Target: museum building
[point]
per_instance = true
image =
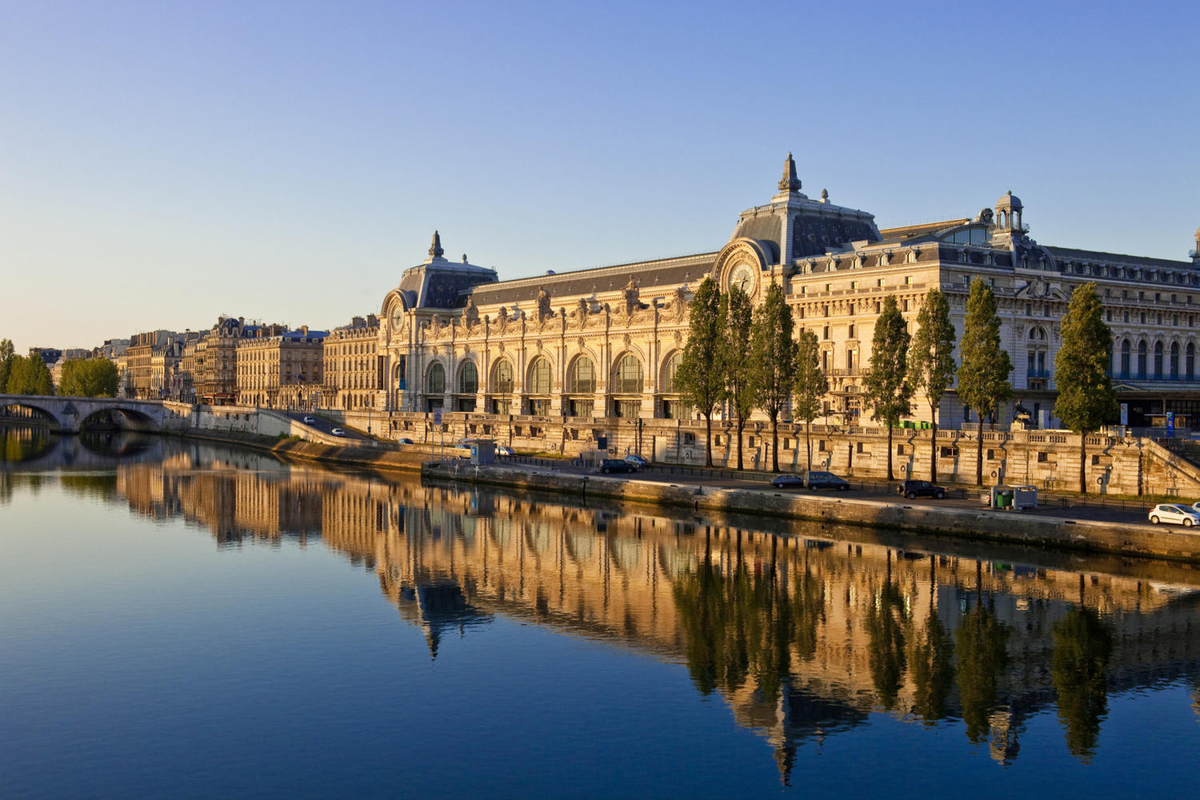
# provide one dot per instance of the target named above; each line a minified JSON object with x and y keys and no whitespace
{"x":574,"y":353}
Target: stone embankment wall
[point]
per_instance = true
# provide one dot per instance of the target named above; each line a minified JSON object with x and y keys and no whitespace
{"x":1028,"y":530}
{"x":1047,"y":459}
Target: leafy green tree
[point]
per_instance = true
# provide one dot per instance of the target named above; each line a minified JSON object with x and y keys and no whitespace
{"x":773,"y":360}
{"x":92,"y":377}
{"x":983,"y":374}
{"x":1083,"y":645}
{"x":700,"y":378}
{"x":888,"y":389}
{"x":811,"y":385}
{"x":737,"y":320}
{"x":1086,"y":399}
{"x":6,"y":357}
{"x":29,"y":376}
{"x":932,"y":360}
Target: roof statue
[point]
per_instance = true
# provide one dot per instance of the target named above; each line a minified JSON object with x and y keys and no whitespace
{"x":435,"y":249}
{"x":543,"y":304}
{"x":789,"y":182}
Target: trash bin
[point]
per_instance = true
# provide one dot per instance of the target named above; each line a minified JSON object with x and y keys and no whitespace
{"x":1004,"y":499}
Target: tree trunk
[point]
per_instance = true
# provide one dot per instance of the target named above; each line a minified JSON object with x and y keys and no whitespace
{"x":979,"y":454}
{"x":707,"y":439}
{"x":741,"y":424}
{"x":933,"y":450}
{"x":774,"y":445}
{"x":808,"y":441}
{"x":1083,"y":462}
{"x":891,"y":477}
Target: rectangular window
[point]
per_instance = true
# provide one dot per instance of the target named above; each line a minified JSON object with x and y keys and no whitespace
{"x":1029,"y":309}
{"x":879,"y":283}
{"x":854,"y":285}
{"x":1043,"y":457}
{"x":628,"y":409}
{"x":908,"y":280}
{"x":949,"y":452}
{"x":1109,"y":315}
{"x":899,"y":449}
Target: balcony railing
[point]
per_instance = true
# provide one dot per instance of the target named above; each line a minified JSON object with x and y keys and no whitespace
{"x":1037,"y":373}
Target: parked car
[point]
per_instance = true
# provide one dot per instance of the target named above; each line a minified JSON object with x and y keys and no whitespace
{"x":505,"y":450}
{"x":787,"y":482}
{"x":637,"y":461}
{"x":616,"y":465}
{"x":309,"y":420}
{"x":825,"y":480}
{"x":1175,"y":514}
{"x":914,"y":489}
{"x":338,"y":432}
{"x":404,"y":440}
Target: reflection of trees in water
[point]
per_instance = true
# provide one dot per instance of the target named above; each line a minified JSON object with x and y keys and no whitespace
{"x":21,"y":443}
{"x":931,"y":654}
{"x":96,"y":484}
{"x":1082,"y":647}
{"x":885,"y":624}
{"x":981,"y":641}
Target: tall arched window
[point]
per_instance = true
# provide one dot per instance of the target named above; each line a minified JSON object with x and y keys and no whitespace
{"x":1125,"y":357}
{"x":436,"y":382}
{"x":669,"y":370}
{"x":468,"y":379}
{"x":502,"y":377}
{"x":1174,"y":364}
{"x":1189,"y":362}
{"x":627,"y":377}
{"x":1158,"y":361}
{"x":582,"y":379}
{"x":539,"y":376}
{"x":1141,"y":365}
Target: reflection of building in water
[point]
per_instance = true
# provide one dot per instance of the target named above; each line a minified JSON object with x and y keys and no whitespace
{"x":802,"y":637}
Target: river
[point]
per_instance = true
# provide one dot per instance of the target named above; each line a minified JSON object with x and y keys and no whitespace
{"x":186,"y":618}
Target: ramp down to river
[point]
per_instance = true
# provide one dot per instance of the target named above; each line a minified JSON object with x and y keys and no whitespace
{"x":1006,"y":526}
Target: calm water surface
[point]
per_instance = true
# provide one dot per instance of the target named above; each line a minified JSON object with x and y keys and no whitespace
{"x":183,"y":619}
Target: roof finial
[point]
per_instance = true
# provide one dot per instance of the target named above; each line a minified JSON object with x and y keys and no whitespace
{"x":789,"y":182}
{"x":435,"y":249}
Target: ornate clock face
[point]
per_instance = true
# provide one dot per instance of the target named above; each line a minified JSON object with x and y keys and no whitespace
{"x":742,"y":276}
{"x":397,"y":317}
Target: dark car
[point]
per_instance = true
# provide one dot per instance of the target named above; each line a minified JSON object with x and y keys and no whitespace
{"x":788,"y":482}
{"x":826,"y":480}
{"x":637,"y":461}
{"x":404,"y":440}
{"x":914,"y":489}
{"x":616,"y":465}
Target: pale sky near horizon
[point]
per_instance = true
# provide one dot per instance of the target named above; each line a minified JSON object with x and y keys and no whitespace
{"x":165,"y":163}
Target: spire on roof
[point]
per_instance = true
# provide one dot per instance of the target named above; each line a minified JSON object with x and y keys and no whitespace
{"x":435,"y":249}
{"x":789,"y":182}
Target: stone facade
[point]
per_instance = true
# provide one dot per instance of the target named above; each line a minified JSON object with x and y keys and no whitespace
{"x":281,"y":371}
{"x":352,"y":368}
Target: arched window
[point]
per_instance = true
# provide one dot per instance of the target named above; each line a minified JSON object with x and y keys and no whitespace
{"x":468,"y":379}
{"x":583,"y":376}
{"x":1125,"y":353}
{"x":1141,"y":365}
{"x":1158,"y":361}
{"x":539,"y":376}
{"x":502,"y":377}
{"x":1175,"y":361}
{"x":436,"y":382}
{"x":1189,"y":362}
{"x":627,"y":377}
{"x":669,"y":370}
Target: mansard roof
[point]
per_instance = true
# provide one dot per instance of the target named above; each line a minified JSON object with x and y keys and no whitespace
{"x":1073,"y":254}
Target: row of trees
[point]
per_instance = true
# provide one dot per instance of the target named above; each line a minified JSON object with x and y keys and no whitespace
{"x":750,"y":359}
{"x":91,"y":377}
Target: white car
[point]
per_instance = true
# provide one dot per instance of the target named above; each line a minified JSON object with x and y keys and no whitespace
{"x":338,"y":432}
{"x":309,"y":420}
{"x":505,"y":450}
{"x":1175,"y":514}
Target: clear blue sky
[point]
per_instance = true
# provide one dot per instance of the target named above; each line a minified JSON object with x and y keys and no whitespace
{"x":163,"y":163}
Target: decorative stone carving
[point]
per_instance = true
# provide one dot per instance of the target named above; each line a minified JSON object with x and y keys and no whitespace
{"x":470,"y":313}
{"x":544,"y":312}
{"x":632,"y":297}
{"x":625,"y":340}
{"x":502,"y":319}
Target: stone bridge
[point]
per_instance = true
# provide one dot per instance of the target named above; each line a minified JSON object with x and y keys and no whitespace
{"x":72,"y":414}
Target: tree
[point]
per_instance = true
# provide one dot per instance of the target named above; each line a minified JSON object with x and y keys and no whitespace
{"x":737,"y":316}
{"x":811,"y":385}
{"x":1086,"y":399}
{"x":983,"y":374}
{"x":700,"y":378}
{"x":93,"y":377}
{"x":932,"y":363}
{"x":887,"y":386}
{"x":981,"y":643}
{"x":1083,"y":646}
{"x":773,"y":360}
{"x":6,"y":357}
{"x":29,"y":376}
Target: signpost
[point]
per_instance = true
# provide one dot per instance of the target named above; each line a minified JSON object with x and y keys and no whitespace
{"x":1170,"y":424}
{"x":1124,"y":414}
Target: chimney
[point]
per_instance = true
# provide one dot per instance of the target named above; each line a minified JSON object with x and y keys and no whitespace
{"x":304,"y":329}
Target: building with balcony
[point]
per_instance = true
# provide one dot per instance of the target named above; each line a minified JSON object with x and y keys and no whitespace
{"x":352,"y":365}
{"x":283,"y":370}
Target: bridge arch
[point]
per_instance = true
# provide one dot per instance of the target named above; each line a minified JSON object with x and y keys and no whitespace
{"x":24,"y":410}
{"x":118,"y":418}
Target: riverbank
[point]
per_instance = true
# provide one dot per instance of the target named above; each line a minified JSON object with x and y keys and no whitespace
{"x":979,"y":524}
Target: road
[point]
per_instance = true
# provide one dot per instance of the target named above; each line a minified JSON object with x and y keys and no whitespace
{"x":323,"y":425}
